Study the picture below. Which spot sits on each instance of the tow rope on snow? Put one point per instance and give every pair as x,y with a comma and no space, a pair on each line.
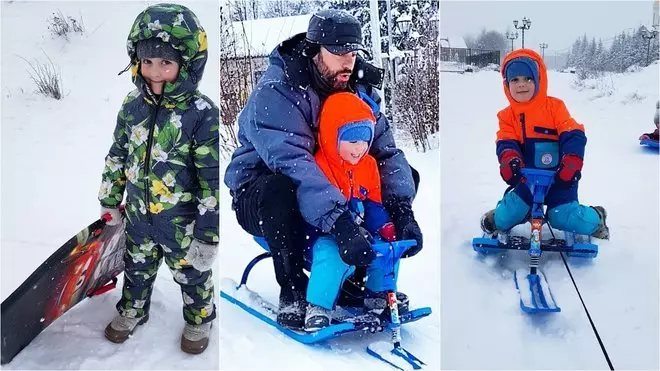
593,326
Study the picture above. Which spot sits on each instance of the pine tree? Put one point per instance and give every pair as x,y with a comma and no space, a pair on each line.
600,57
591,55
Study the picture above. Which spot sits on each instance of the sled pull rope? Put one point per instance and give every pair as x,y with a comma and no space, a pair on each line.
593,326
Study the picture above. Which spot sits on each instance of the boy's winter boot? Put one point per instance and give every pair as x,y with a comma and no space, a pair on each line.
291,313
122,327
603,231
488,223
195,338
316,318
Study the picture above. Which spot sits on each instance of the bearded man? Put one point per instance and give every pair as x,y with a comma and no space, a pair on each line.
278,190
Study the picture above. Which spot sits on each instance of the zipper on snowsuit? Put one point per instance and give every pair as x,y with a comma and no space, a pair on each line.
147,159
350,182
524,133
350,193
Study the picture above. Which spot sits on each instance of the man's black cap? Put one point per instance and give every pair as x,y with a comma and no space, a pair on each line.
337,31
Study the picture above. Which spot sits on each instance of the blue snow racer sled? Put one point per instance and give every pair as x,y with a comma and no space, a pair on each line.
650,144
348,319
533,288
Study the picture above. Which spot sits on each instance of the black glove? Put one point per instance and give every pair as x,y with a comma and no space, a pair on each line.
405,225
354,247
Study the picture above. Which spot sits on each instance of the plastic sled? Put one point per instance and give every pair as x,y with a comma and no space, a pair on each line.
533,288
345,320
650,144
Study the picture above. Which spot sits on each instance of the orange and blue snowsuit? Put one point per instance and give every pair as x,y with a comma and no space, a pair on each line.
541,132
359,183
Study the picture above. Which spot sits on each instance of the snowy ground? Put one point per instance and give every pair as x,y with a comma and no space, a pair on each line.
52,158
243,335
482,325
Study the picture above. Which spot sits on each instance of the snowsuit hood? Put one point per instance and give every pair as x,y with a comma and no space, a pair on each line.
340,112
180,28
525,55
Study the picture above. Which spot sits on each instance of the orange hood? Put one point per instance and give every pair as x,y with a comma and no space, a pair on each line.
340,110
542,84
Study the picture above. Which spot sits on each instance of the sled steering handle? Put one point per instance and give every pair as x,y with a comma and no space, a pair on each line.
396,248
538,176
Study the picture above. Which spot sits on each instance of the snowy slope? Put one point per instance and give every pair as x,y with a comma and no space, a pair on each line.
52,158
242,335
482,325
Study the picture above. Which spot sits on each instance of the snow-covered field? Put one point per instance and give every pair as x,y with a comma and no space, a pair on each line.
482,324
52,158
243,336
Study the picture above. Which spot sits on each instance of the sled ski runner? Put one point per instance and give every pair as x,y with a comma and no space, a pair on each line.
343,321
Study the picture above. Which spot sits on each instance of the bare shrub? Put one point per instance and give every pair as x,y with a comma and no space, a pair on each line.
46,76
237,78
416,97
61,25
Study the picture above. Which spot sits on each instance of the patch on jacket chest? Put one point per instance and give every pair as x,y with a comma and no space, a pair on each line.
546,158
546,154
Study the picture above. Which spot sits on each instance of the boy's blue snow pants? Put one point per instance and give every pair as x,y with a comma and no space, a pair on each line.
328,273
564,211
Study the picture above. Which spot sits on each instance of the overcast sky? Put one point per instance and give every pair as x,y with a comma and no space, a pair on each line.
557,23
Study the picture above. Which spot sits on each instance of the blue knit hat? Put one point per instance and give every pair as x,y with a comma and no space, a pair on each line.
355,131
522,66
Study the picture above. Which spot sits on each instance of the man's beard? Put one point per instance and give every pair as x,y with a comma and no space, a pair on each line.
330,77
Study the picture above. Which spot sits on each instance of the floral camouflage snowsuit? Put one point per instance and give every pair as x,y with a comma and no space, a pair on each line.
165,155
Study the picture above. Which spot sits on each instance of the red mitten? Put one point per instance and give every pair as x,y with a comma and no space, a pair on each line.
570,168
387,232
510,165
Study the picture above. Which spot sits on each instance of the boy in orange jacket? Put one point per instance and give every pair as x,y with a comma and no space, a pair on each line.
536,131
346,131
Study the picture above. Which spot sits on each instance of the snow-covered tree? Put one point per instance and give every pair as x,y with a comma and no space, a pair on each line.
625,51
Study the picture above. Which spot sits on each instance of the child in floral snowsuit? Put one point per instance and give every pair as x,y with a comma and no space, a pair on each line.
165,156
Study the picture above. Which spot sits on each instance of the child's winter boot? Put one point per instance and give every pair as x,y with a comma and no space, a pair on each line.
603,231
488,223
195,338
316,318
122,327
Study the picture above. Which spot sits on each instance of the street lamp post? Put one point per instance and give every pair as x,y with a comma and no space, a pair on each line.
526,24
648,35
543,47
404,23
511,36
